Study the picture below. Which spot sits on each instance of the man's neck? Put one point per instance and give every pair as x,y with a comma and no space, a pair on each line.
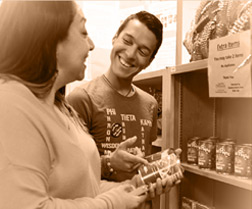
122,86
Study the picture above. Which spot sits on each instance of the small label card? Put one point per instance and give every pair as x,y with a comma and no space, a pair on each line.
229,66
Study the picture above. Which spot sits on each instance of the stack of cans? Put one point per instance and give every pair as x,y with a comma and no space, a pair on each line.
226,157
160,165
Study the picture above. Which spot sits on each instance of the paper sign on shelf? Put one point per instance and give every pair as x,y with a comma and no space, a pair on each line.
229,66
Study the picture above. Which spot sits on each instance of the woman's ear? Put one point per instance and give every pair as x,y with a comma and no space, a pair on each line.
57,51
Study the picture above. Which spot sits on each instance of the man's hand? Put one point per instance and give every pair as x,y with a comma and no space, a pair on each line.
164,185
122,160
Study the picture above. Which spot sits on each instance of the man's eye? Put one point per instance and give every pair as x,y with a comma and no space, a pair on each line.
126,41
144,52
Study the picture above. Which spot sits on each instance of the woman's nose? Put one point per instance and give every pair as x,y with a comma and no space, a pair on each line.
91,44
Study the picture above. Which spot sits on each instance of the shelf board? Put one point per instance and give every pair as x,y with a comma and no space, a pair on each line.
158,142
149,75
189,67
228,179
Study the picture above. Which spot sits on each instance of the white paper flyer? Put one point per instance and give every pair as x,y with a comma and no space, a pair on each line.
229,66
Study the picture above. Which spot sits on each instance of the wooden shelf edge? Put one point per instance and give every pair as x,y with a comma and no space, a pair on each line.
189,67
158,142
228,179
149,75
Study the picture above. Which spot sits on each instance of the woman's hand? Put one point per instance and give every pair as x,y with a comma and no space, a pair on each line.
160,186
131,196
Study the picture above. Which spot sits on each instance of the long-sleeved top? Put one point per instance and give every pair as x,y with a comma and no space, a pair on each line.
47,162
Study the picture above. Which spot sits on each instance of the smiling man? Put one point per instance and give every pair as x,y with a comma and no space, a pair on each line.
113,108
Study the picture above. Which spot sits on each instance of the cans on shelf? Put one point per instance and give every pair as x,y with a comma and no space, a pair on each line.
225,157
207,151
192,150
243,160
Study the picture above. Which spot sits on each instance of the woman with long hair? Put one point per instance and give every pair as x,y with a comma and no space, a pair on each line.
47,158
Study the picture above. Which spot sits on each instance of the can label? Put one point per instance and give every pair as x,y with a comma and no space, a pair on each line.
225,157
159,168
192,150
243,160
149,173
207,153
159,155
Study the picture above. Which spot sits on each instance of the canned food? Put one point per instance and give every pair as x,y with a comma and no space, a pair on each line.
192,150
225,157
149,173
243,160
158,155
159,168
206,155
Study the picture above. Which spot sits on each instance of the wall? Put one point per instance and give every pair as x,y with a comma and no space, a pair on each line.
104,17
102,22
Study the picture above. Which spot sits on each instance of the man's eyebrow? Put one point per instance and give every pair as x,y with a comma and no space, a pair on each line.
147,48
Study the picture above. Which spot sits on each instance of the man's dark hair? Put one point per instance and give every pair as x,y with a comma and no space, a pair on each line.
151,22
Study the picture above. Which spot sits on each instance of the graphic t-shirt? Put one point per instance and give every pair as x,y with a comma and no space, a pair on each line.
112,118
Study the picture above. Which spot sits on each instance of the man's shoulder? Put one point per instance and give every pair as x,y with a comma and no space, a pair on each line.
145,95
93,84
87,87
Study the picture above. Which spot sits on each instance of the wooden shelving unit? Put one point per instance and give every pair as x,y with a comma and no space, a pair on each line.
160,80
151,76
196,114
239,182
189,67
187,110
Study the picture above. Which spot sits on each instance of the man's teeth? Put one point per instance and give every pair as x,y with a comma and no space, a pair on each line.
124,63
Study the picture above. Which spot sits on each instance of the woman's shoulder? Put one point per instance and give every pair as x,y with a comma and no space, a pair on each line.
13,90
15,96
